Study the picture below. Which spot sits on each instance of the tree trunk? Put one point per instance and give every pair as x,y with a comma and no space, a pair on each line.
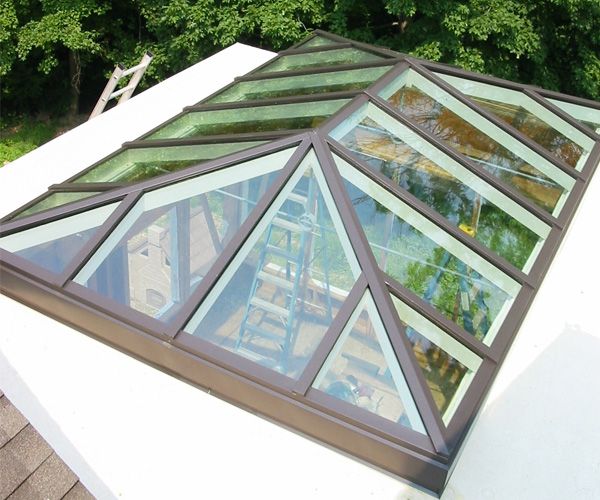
75,82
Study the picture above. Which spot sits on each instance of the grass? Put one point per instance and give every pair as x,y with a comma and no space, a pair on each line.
20,135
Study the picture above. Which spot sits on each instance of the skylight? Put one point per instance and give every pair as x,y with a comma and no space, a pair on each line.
344,240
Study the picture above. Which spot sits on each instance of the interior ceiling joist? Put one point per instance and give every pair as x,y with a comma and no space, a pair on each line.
345,240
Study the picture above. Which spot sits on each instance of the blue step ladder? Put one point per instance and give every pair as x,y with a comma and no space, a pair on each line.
289,238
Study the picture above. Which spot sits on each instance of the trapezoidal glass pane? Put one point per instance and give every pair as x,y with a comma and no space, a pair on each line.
530,118
139,164
165,245
318,41
447,365
590,117
337,57
392,149
362,370
318,83
283,289
425,259
480,140
53,245
249,120
53,200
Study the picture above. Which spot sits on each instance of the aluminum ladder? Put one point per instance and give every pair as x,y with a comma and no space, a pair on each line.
126,92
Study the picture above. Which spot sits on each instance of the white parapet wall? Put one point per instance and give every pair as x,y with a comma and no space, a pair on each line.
130,431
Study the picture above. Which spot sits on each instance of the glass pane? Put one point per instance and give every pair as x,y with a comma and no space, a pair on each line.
447,365
335,57
245,120
53,245
356,79
139,164
590,117
419,255
168,241
281,292
530,118
464,199
480,140
54,200
318,41
362,369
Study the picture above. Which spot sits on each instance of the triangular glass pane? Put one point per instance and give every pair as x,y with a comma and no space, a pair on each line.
139,164
318,41
530,118
53,245
590,117
480,140
447,365
335,57
286,285
468,202
164,246
363,370
422,257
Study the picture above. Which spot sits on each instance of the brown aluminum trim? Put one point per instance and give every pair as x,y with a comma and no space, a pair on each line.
564,116
210,139
82,187
274,101
17,211
469,406
116,310
412,374
581,101
371,421
60,212
256,77
501,124
429,312
430,214
234,362
163,124
512,322
238,390
499,82
387,78
359,45
592,162
306,39
343,114
154,183
313,367
226,256
93,165
473,167
31,270
319,48
103,232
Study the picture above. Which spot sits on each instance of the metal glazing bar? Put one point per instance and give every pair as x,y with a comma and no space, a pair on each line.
395,330
430,214
216,270
501,124
331,335
475,168
98,238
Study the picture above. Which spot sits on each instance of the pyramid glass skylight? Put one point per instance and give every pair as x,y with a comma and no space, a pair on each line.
344,240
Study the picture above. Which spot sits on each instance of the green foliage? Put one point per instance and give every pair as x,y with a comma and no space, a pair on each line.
47,47
18,139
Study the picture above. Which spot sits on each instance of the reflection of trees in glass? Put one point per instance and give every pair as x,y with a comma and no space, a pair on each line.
435,187
427,269
467,139
534,128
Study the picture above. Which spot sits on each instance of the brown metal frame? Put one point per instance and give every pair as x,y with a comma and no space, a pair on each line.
425,460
